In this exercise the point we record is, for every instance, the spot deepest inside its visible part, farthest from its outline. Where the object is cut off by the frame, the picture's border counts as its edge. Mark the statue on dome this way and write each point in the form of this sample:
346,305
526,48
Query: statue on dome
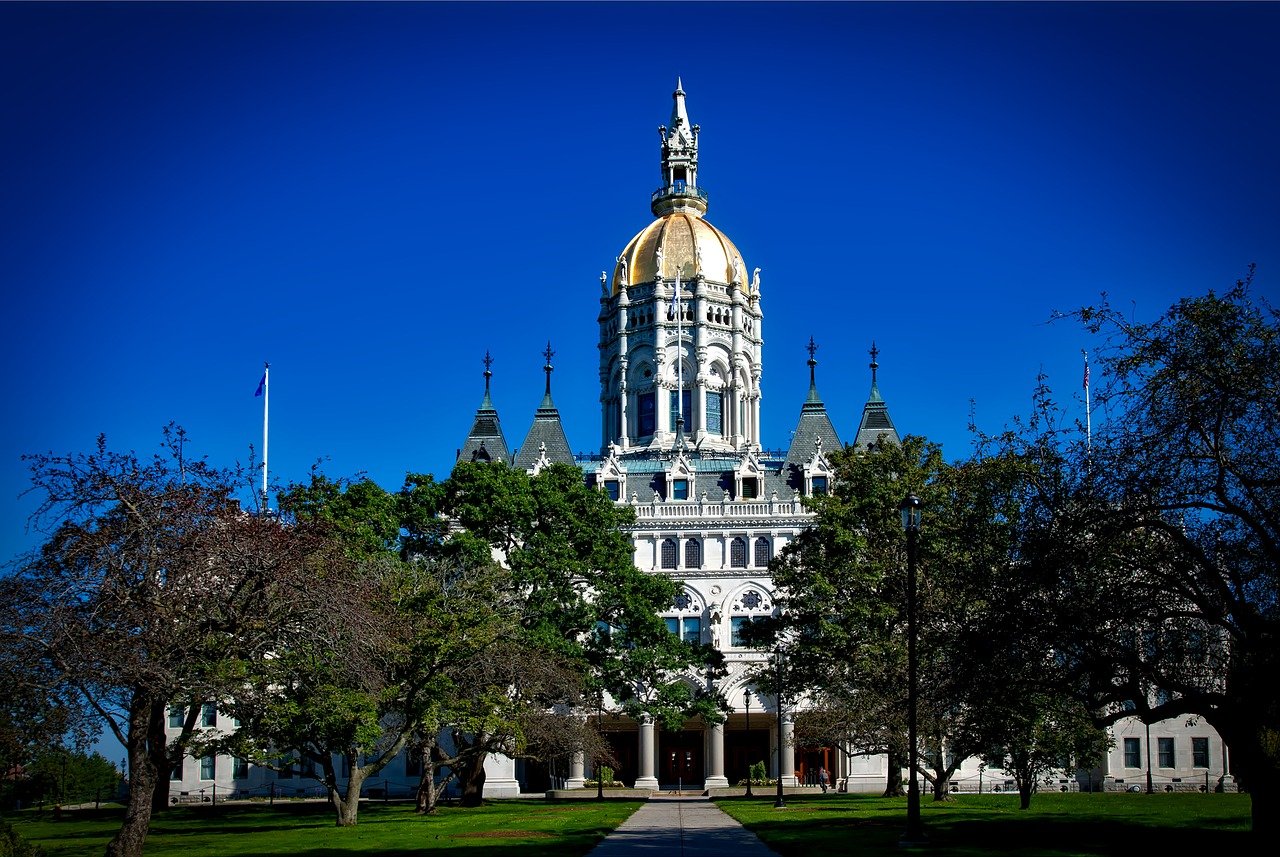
755,281
622,272
604,284
737,270
657,263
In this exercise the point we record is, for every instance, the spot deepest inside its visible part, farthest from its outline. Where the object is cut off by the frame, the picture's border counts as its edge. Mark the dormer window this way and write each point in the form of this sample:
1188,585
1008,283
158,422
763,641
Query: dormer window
819,486
750,488
680,489
611,488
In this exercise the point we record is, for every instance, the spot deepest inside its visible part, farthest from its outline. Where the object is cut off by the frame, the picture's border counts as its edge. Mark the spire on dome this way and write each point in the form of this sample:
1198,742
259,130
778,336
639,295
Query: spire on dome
486,441
679,191
876,422
548,368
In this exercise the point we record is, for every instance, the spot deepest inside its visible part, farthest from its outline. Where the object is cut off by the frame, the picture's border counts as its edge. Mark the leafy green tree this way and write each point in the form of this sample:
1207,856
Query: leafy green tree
844,604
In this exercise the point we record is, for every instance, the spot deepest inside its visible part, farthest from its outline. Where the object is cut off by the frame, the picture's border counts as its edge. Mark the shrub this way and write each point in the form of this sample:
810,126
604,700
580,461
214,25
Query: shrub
13,845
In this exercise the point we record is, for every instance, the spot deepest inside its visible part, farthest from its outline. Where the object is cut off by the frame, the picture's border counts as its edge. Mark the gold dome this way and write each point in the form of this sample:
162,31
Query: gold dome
689,245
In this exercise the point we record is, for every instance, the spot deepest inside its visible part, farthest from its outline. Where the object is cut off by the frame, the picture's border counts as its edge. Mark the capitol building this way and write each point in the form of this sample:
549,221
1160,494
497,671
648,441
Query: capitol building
681,326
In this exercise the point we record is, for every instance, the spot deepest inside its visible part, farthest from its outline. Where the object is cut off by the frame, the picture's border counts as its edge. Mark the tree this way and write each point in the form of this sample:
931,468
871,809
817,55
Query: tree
1178,521
844,592
150,579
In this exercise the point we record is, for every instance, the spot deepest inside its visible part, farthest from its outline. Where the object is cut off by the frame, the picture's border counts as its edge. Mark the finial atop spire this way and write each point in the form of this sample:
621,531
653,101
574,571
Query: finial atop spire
812,348
875,387
488,361
548,368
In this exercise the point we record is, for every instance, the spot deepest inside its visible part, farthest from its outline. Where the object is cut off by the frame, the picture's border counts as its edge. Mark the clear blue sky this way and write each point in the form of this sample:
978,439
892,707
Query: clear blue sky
370,196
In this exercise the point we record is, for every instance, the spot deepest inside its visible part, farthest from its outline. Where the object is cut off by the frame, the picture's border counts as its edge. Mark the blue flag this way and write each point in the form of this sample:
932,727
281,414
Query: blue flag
261,384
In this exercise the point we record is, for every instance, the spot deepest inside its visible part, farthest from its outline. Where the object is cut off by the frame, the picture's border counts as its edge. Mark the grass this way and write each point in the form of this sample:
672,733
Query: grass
1056,825
518,828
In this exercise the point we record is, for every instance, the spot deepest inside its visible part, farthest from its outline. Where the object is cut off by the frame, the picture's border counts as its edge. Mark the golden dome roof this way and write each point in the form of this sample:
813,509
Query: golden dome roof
689,245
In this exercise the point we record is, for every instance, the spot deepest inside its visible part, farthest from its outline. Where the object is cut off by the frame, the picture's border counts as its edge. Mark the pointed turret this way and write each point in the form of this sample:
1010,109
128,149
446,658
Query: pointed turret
679,191
546,442
814,431
486,441
875,413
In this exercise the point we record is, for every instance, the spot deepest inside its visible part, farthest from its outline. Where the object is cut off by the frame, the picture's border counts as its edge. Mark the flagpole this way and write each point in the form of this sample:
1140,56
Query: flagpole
266,396
1088,415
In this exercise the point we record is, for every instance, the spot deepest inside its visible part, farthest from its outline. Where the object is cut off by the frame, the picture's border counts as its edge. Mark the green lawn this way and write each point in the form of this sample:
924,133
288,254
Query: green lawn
1056,825
519,828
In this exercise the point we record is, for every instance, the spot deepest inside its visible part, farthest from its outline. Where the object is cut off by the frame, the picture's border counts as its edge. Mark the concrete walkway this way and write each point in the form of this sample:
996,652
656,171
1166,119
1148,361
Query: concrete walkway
681,827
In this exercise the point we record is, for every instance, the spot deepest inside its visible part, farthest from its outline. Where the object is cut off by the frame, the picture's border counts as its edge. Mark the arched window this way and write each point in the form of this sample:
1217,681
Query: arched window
692,553
669,553
763,551
738,553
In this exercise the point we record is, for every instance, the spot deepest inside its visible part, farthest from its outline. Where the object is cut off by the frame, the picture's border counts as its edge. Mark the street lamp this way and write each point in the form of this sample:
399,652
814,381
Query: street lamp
779,803
600,729
746,700
910,509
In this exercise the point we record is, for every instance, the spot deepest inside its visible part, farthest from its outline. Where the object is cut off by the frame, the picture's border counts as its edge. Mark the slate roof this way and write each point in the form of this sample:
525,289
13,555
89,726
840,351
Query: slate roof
486,441
546,430
875,421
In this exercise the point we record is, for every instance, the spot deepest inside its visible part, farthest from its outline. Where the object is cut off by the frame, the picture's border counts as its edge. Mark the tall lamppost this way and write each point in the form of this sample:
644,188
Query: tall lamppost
746,700
600,729
779,803
910,509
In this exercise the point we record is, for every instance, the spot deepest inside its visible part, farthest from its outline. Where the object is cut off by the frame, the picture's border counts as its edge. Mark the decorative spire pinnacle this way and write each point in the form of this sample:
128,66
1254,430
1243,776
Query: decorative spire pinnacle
548,368
679,191
488,361
812,348
874,365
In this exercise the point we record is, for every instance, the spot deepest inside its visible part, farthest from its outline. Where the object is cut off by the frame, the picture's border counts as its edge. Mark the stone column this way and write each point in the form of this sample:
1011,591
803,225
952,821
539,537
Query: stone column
787,752
715,757
577,765
646,779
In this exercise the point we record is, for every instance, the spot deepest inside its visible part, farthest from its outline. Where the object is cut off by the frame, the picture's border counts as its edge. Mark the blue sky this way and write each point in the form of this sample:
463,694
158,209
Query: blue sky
370,196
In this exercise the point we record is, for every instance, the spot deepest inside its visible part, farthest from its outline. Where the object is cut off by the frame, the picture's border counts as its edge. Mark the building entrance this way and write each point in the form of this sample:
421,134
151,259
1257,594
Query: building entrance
680,759
626,754
742,749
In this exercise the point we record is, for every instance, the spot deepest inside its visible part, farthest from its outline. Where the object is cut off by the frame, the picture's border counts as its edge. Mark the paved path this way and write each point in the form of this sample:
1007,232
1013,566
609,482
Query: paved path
681,827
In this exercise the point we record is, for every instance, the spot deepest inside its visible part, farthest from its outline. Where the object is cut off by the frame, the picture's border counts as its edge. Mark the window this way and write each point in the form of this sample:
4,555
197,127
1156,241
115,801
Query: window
176,716
679,489
175,771
687,400
736,626
209,714
819,486
738,553
750,488
669,553
763,552
687,628
645,414
693,554
611,488
1199,752
1164,748
207,767
1132,753
714,421
239,769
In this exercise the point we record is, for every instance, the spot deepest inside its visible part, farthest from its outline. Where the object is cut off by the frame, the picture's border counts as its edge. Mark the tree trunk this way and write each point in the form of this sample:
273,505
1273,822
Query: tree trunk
472,778
1024,795
893,784
158,750
428,794
132,834
346,805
